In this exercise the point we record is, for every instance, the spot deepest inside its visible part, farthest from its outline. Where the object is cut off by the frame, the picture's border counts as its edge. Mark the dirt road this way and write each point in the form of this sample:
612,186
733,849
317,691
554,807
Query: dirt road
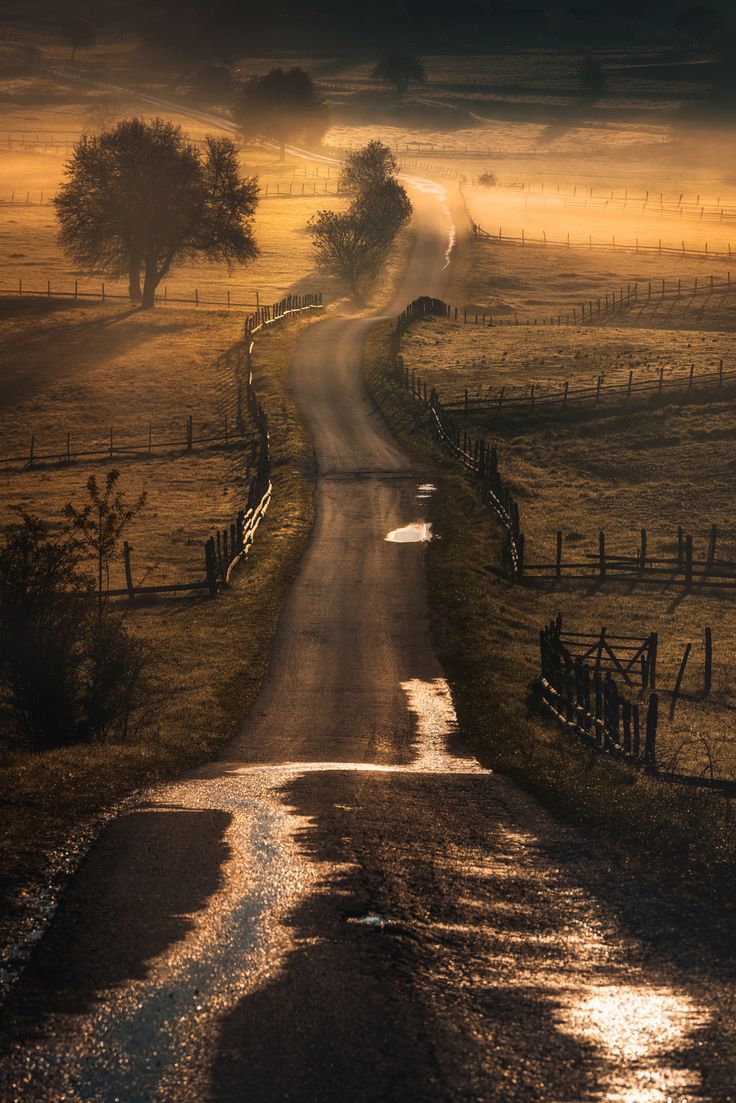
346,907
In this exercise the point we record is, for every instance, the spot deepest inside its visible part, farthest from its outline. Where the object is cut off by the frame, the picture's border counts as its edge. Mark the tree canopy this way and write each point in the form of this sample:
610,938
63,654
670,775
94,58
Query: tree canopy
283,105
141,198
354,244
400,70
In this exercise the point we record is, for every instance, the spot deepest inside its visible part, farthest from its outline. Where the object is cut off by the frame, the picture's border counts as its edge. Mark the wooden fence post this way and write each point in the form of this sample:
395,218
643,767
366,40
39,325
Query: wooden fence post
210,566
678,682
602,554
558,561
128,571
688,560
708,677
650,743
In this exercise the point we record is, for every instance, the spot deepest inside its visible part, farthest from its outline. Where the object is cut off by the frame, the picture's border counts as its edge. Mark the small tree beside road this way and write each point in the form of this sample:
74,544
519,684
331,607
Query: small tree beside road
401,70
141,198
354,244
283,105
101,523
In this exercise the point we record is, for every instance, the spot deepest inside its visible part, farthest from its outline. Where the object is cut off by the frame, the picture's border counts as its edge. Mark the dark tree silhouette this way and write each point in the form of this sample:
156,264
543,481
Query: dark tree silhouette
400,70
140,198
78,34
282,105
354,244
373,164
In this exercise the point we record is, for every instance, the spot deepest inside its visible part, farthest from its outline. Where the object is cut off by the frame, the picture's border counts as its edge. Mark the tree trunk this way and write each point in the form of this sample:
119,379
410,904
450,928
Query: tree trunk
355,291
134,280
149,288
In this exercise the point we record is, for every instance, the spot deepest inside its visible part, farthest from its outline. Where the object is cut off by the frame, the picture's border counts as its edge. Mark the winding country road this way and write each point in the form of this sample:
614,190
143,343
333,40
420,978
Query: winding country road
346,907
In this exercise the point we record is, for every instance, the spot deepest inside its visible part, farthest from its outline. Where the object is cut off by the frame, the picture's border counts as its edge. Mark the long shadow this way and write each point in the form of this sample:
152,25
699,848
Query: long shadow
131,900
413,1009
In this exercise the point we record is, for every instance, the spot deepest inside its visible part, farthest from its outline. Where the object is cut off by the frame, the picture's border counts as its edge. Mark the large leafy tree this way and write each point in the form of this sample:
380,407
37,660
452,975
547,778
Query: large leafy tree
354,244
283,105
141,198
400,70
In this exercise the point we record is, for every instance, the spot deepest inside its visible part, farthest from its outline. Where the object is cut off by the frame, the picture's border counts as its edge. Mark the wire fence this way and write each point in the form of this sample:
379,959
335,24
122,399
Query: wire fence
658,248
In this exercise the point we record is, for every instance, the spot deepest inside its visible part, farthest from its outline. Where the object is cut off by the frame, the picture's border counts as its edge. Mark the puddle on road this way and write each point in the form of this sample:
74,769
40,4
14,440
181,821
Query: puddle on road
431,703
636,1028
370,920
416,533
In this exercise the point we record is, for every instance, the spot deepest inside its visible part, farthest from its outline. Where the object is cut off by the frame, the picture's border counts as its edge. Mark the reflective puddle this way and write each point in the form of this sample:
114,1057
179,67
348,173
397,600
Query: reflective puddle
424,491
416,533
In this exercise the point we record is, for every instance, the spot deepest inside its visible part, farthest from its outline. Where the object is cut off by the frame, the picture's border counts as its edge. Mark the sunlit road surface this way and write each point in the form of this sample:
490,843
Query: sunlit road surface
346,906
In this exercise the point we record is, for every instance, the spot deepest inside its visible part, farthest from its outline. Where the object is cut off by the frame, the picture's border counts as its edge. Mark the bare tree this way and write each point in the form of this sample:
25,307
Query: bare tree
354,244
141,198
400,70
284,106
101,523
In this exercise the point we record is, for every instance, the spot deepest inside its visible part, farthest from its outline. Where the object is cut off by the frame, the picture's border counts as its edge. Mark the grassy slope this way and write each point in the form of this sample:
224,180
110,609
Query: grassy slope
210,668
681,839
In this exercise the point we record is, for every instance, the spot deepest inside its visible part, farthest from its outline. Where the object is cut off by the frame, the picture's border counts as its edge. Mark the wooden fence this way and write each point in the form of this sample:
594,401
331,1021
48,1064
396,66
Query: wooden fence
475,454
584,698
635,246
118,444
233,543
641,567
102,293
596,567
692,208
535,400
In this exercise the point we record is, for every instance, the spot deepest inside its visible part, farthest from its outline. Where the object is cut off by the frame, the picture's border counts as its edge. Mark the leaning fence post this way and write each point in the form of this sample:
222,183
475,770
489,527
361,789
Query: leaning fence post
650,744
128,571
678,682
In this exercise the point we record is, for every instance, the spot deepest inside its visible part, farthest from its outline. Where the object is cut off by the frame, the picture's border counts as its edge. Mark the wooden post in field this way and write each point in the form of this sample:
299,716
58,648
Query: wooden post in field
680,548
678,682
650,740
708,676
210,566
190,434
112,449
558,558
68,448
602,554
128,572
643,550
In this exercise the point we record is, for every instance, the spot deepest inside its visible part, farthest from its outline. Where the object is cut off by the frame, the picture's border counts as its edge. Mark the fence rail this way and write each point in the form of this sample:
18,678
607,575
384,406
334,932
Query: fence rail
634,246
587,703
595,394
231,544
103,294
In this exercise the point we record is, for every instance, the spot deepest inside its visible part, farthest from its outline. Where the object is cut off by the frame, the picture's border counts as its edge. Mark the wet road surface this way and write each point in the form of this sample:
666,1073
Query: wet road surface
346,906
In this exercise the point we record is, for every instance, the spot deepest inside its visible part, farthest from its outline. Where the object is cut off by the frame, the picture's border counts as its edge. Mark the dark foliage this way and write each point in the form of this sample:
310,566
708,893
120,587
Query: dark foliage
400,70
66,674
354,244
141,198
283,105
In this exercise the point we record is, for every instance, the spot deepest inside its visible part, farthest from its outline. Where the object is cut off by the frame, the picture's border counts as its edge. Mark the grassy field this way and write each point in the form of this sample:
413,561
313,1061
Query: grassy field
655,465
207,673
486,632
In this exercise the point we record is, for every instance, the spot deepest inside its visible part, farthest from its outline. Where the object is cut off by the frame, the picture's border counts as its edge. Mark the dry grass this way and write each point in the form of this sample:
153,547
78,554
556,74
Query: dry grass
486,632
207,667
654,465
